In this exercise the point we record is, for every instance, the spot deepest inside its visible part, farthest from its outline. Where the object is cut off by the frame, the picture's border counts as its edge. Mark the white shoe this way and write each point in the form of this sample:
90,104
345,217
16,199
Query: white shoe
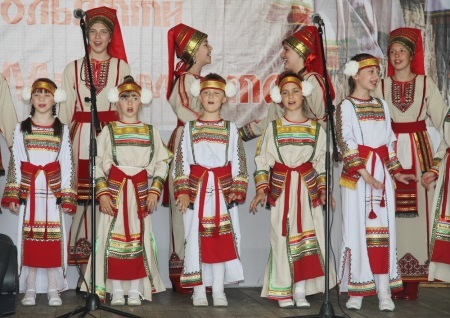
53,298
220,300
286,303
134,298
386,304
354,302
117,298
300,301
30,298
199,300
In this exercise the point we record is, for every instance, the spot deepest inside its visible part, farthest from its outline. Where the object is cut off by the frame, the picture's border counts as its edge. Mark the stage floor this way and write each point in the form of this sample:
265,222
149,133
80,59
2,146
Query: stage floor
246,302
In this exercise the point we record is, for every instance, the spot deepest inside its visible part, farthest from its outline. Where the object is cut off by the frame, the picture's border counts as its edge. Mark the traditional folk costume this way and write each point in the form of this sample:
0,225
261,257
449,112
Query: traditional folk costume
128,155
293,155
210,165
183,41
410,104
41,179
75,112
365,139
305,43
8,118
440,233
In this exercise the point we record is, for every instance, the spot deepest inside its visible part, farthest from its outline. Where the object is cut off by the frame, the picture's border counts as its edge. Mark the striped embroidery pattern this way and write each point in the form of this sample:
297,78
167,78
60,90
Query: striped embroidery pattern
296,134
370,111
53,179
191,279
210,132
362,289
443,231
377,237
209,226
53,230
261,178
115,187
42,138
121,249
303,244
131,135
393,164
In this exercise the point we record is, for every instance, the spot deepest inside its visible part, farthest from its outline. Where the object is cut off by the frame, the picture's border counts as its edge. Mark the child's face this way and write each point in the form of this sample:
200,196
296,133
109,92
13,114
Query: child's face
367,78
99,37
399,56
212,99
203,54
291,96
292,61
42,100
129,103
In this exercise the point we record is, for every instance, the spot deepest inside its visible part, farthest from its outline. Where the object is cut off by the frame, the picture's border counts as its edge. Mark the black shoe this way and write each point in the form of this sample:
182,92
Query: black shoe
79,292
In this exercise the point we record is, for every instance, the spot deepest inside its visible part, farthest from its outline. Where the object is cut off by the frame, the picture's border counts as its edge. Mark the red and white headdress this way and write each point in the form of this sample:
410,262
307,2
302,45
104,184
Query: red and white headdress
108,17
183,41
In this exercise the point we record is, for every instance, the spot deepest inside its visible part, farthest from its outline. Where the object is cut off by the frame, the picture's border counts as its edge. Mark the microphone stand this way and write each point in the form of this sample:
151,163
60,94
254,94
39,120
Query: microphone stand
326,310
92,299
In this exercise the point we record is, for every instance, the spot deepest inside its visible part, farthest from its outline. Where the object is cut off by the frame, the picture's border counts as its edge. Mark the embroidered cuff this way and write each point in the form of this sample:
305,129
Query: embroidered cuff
101,187
181,186
321,182
247,133
261,178
157,186
352,161
11,194
239,187
393,164
69,200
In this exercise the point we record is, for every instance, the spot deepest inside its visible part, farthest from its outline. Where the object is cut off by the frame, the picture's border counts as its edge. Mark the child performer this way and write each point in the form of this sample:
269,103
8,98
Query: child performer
365,138
413,100
40,186
292,152
439,241
210,162
129,153
107,58
191,46
302,55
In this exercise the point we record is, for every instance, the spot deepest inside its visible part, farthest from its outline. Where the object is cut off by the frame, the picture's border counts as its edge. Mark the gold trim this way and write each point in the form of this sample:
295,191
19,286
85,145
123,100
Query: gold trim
44,85
298,46
368,63
192,46
129,87
212,84
290,79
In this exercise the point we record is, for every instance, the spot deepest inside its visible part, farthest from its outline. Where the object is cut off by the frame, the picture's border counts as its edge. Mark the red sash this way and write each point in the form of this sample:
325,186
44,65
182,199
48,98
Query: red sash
135,268
383,153
302,170
215,248
103,117
41,252
202,173
406,194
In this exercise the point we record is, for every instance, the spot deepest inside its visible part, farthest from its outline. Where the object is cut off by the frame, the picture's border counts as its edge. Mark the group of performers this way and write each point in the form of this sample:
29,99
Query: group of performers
396,216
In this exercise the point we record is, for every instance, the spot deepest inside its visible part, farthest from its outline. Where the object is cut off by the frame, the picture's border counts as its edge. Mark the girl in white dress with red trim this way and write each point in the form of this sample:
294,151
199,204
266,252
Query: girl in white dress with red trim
210,179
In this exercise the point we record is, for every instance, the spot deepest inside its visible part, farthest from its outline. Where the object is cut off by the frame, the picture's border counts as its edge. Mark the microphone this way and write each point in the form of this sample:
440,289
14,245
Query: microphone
317,19
79,13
